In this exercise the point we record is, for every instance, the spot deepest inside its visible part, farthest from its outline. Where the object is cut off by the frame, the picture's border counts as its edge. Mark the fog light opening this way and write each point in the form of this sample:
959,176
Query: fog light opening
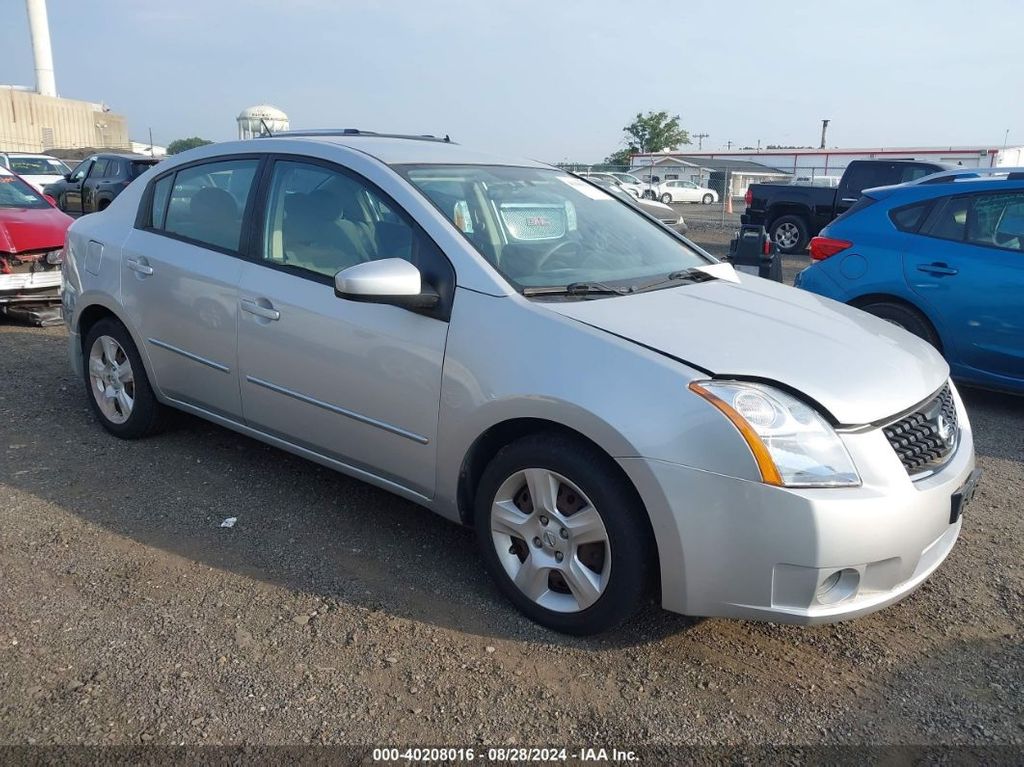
840,585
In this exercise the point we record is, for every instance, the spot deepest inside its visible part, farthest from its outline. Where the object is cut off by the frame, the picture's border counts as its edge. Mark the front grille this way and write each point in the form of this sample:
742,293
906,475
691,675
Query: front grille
925,439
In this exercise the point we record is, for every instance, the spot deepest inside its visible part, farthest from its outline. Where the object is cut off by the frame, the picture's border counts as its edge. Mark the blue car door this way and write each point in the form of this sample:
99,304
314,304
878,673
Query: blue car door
968,270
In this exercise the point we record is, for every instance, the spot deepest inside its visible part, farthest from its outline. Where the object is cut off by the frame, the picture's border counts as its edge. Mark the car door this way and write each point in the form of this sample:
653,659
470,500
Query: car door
688,192
93,182
71,198
356,382
179,278
968,269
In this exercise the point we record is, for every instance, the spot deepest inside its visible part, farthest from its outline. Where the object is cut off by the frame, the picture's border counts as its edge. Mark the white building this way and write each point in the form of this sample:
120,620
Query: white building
258,120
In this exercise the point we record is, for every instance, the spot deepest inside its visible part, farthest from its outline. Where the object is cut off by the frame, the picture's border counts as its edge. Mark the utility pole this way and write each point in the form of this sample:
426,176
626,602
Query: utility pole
700,140
1006,137
151,142
728,144
824,128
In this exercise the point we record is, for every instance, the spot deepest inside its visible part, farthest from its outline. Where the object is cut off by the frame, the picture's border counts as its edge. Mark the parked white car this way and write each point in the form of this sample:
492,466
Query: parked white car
628,182
37,169
685,191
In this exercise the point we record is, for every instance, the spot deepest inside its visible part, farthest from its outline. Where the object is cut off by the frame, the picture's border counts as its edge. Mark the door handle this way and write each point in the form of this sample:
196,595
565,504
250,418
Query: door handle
139,265
937,268
266,312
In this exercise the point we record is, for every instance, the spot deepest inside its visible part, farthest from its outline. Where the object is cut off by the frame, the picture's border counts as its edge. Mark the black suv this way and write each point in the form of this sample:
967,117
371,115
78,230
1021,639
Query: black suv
97,180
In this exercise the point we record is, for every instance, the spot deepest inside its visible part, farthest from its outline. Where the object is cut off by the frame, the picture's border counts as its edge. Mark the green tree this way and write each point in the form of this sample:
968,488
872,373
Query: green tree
184,144
651,132
620,157
655,132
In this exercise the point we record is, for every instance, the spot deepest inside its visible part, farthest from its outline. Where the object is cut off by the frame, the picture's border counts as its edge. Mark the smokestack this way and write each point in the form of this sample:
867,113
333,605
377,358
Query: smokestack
40,28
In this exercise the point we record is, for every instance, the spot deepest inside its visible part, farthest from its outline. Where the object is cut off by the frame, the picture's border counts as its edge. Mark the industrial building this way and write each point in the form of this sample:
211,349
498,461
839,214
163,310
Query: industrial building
38,120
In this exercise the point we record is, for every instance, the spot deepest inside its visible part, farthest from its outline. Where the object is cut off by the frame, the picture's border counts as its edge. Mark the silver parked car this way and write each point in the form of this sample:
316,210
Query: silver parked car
515,349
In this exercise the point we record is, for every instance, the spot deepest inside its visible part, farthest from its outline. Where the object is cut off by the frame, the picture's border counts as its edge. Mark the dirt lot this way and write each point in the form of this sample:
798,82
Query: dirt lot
335,613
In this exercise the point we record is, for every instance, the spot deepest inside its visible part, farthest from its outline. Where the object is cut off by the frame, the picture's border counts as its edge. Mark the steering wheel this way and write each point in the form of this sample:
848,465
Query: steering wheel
550,252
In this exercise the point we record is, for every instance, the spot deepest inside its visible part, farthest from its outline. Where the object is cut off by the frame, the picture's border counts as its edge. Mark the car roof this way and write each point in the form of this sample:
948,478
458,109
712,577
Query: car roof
402,150
960,181
125,156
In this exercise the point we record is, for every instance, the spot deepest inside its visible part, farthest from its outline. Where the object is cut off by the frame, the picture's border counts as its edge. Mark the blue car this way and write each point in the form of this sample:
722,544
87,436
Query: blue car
943,257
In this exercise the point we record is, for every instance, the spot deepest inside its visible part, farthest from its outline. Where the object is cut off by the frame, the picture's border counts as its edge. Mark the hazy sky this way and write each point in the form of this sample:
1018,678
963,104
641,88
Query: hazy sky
551,79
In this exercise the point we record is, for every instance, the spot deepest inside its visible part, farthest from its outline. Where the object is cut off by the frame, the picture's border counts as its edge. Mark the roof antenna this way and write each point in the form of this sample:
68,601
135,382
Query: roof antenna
447,138
266,128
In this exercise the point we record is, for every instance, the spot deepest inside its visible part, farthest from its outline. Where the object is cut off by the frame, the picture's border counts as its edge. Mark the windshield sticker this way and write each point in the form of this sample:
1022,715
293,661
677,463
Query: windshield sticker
584,188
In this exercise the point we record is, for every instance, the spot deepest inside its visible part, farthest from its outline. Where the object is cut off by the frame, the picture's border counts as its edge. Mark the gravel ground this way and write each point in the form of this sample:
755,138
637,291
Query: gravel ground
335,613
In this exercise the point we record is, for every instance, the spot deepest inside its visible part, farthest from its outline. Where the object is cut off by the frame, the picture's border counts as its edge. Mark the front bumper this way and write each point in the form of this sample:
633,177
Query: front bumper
750,550
30,287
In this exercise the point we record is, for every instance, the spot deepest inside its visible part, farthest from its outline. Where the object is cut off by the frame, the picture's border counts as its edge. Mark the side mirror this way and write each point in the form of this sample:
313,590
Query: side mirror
388,281
50,200
67,176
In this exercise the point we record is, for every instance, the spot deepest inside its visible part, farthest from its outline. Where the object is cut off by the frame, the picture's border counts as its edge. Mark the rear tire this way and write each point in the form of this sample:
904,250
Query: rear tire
116,384
578,575
666,198
905,317
707,199
789,233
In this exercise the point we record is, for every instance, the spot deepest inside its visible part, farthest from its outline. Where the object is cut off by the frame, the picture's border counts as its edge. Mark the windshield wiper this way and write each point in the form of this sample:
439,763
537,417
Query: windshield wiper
577,289
693,274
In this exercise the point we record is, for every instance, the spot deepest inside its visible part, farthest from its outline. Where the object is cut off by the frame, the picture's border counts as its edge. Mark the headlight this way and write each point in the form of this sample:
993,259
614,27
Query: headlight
792,444
54,257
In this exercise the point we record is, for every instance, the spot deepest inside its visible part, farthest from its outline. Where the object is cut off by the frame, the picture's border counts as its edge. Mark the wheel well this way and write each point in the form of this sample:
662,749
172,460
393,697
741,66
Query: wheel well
494,439
788,210
89,317
873,298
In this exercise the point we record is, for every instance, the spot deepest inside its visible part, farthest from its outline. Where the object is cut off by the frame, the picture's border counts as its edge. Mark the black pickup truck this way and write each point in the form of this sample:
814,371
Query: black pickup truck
794,214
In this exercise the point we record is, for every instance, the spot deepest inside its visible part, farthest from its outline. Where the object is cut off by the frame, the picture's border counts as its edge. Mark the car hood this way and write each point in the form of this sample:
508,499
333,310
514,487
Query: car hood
39,180
858,368
23,229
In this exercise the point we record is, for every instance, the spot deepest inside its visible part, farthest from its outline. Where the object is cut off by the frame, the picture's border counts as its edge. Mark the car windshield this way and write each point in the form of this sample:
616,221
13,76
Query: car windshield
545,228
38,166
15,193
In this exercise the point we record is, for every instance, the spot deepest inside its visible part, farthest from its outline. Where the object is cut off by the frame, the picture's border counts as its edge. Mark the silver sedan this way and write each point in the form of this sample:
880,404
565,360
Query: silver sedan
615,413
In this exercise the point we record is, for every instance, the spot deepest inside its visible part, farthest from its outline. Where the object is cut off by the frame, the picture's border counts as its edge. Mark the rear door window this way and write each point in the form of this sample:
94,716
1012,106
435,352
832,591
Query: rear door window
207,202
997,220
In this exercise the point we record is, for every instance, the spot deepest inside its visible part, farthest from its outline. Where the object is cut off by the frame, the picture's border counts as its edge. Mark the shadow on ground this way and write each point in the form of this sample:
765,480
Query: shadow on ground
300,526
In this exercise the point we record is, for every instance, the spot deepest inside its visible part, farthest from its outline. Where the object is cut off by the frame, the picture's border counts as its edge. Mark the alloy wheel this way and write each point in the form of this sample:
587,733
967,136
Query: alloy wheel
787,235
112,380
551,540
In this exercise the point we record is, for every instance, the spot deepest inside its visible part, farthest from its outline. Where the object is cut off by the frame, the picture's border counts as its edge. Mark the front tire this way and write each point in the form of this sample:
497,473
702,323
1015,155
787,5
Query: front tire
563,534
116,382
789,233
666,198
905,317
708,199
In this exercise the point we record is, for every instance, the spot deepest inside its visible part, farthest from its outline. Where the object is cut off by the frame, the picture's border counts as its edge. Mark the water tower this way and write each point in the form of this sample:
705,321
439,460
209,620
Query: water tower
256,121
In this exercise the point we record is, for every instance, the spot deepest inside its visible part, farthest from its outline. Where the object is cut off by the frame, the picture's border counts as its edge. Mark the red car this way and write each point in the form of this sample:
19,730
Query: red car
32,233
